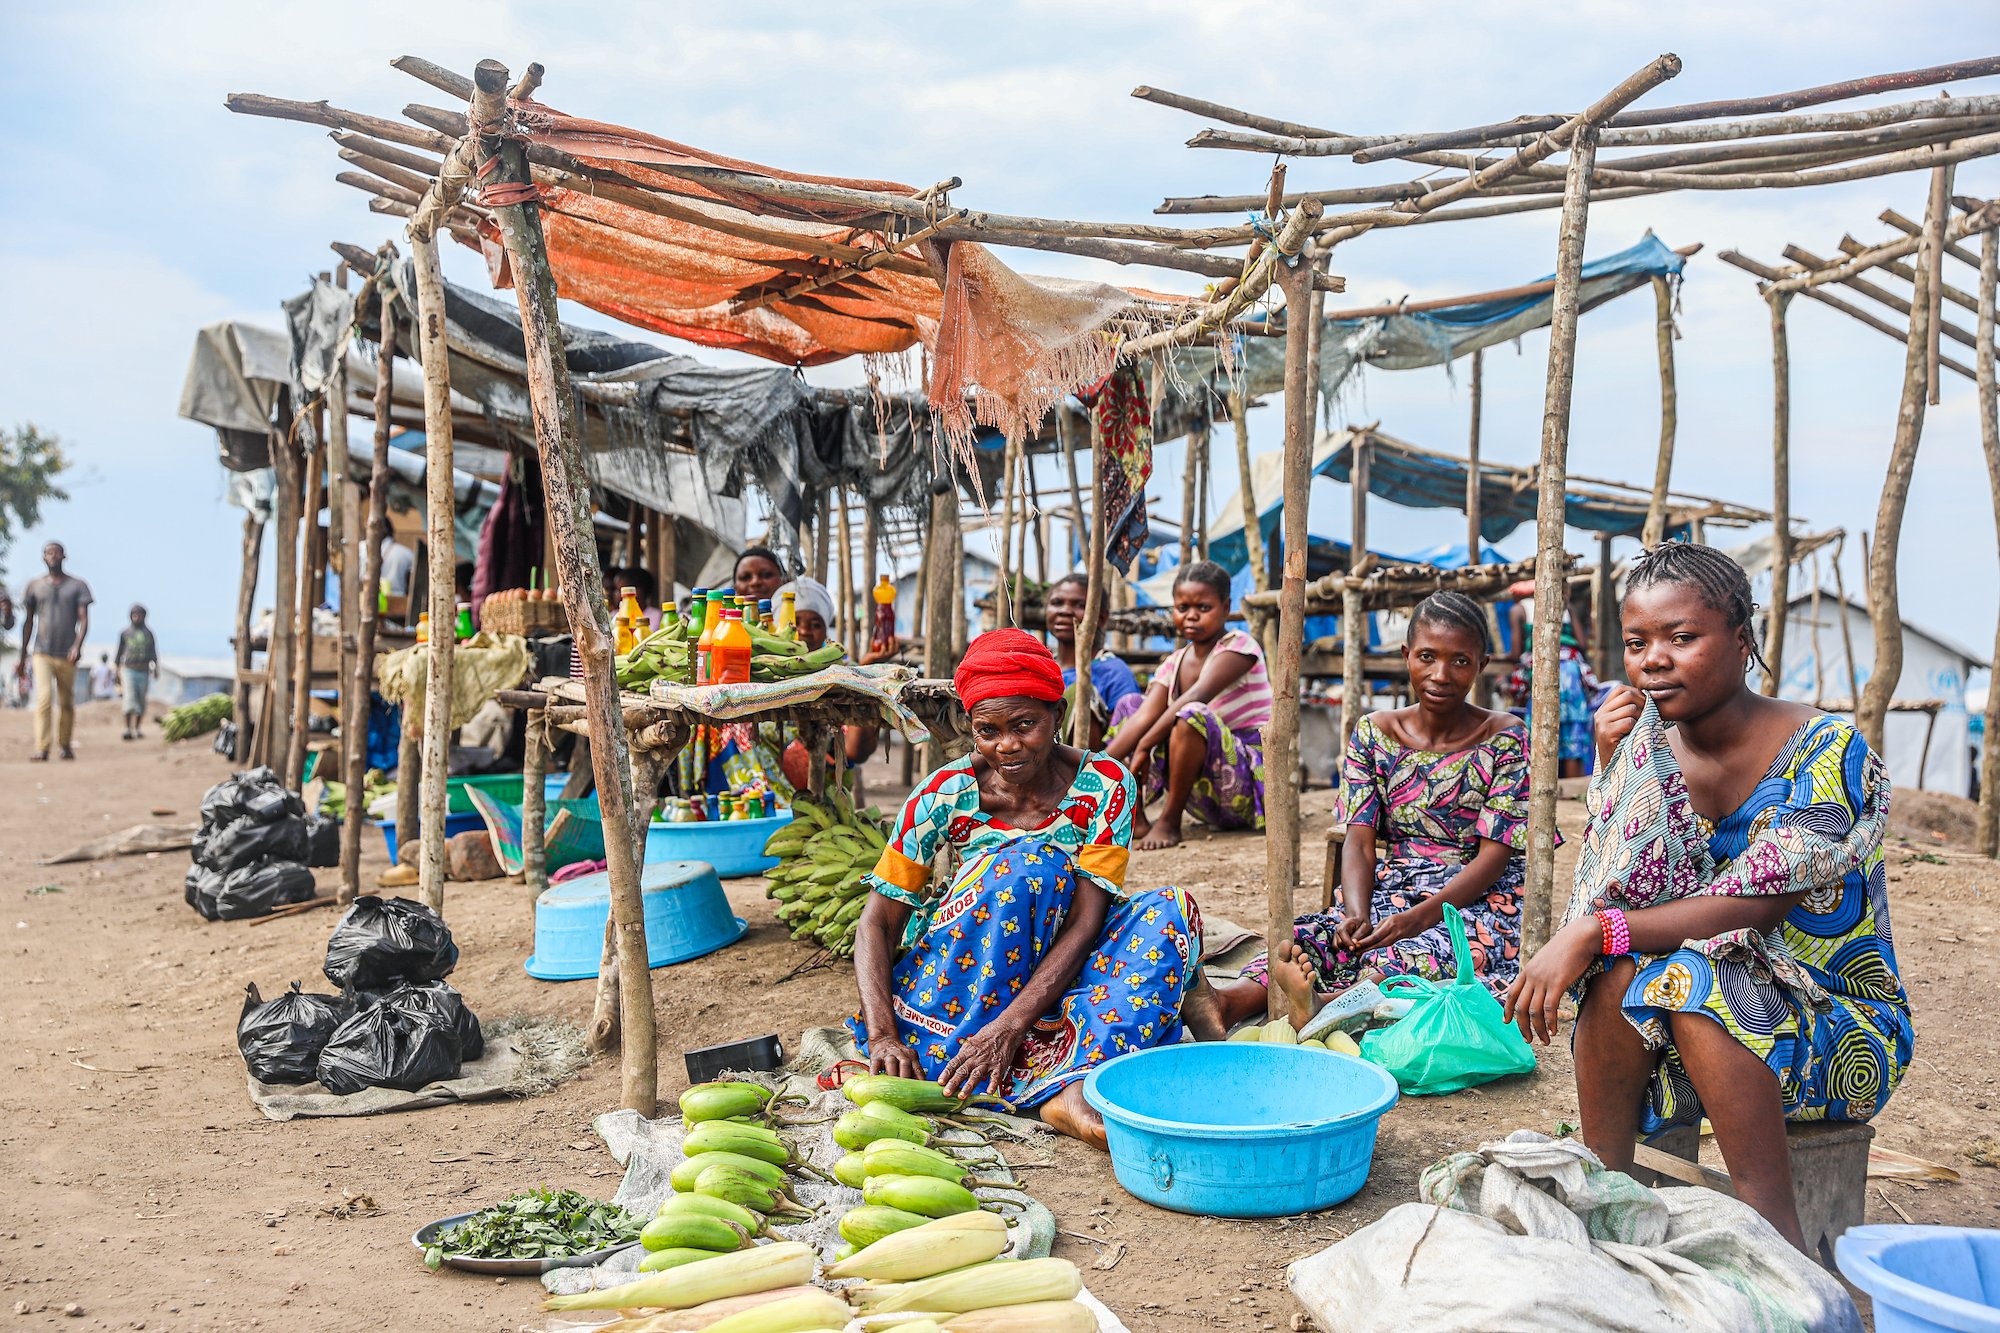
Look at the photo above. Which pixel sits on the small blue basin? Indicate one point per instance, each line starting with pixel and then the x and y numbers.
pixel 735 847
pixel 454 824
pixel 1240 1129
pixel 1925 1278
pixel 686 916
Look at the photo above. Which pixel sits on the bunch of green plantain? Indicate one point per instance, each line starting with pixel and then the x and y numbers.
pixel 732 1185
pixel 823 855
pixel 777 657
pixel 662 655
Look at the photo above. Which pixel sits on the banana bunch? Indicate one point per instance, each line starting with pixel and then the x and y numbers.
pixel 823 854
pixel 768 664
pixel 661 654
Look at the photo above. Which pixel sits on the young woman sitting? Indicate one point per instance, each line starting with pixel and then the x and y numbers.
pixel 1740 966
pixel 1036 963
pixel 1111 681
pixel 1195 740
pixel 1442 787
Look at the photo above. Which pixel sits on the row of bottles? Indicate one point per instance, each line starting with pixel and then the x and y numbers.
pixel 461 629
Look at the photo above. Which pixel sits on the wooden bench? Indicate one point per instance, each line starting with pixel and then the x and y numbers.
pixel 1829 1173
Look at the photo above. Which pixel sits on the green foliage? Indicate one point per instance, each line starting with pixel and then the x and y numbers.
pixel 30 463
pixel 538 1224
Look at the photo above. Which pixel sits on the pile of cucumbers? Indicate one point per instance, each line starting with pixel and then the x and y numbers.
pixel 906 1176
pixel 734 1184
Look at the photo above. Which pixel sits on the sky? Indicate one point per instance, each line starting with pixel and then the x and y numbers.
pixel 142 210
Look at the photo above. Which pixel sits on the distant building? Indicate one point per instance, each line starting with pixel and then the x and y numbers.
pixel 1934 669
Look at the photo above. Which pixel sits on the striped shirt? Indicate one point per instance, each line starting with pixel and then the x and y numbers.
pixel 1243 706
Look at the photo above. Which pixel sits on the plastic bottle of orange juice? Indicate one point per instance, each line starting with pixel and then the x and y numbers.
pixel 882 628
pixel 711 617
pixel 729 651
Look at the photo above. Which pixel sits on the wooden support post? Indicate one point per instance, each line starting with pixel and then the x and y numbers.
pixel 1039 522
pixel 1253 533
pixel 1610 662
pixel 943 553
pixel 246 606
pixel 1539 902
pixel 1281 737
pixel 279 655
pixel 822 537
pixel 344 529
pixel 1846 628
pixel 1655 530
pixel 844 609
pixel 871 541
pixel 1987 833
pixel 1003 601
pixel 1353 616
pixel 1940 220
pixel 1090 633
pixel 440 507
pixel 1884 604
pixel 569 515
pixel 1202 491
pixel 668 571
pixel 1473 541
pixel 1781 492
pixel 1076 520
pixel 409 784
pixel 366 557
pixel 1026 521
pixel 1819 656
pixel 534 807
pixel 312 575
pixel 1191 486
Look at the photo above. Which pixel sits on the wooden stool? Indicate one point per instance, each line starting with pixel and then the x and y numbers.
pixel 1829 1173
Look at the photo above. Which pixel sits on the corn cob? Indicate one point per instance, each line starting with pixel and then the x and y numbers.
pixel 1279 1032
pixel 710 1206
pixel 723 1101
pixel 864 1226
pixel 1034 1317
pixel 886 1157
pixel 698 1317
pixel 814 1310
pixel 693 1231
pixel 688 1172
pixel 928 1249
pixel 659 1261
pixel 741 1188
pixel 999 1282
pixel 759 1268
pixel 920 1194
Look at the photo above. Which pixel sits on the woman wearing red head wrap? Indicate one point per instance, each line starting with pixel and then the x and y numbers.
pixel 1036 963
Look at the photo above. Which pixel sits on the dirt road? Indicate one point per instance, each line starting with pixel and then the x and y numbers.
pixel 150 1193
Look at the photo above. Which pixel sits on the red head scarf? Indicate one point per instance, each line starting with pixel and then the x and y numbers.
pixel 1006 664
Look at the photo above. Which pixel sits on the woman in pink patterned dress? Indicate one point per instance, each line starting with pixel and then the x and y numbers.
pixel 1196 737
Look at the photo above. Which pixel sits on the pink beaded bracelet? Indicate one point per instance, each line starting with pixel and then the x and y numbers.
pixel 1616 933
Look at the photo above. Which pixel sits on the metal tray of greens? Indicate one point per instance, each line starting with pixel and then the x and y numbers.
pixel 535 1231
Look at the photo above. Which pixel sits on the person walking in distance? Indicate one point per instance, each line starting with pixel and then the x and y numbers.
pixel 138 665
pixel 52 634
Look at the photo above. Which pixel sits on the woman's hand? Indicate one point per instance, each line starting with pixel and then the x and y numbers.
pixel 1401 926
pixel 1616 717
pixel 1347 936
pixel 1139 765
pixel 888 1055
pixel 1534 1002
pixel 982 1060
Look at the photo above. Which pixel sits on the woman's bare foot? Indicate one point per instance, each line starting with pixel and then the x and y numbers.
pixel 1160 833
pixel 1293 975
pixel 1068 1113
pixel 1201 1010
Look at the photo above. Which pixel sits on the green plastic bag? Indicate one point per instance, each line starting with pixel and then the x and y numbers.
pixel 1454 1038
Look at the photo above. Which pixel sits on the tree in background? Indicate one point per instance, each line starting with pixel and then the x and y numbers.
pixel 30 463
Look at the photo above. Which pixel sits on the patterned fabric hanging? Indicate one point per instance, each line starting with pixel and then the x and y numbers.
pixel 1125 449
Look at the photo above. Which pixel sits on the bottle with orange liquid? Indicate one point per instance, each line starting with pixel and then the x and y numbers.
pixel 729 651
pixel 711 617
pixel 882 628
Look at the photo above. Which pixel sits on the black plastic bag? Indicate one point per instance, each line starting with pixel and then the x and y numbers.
pixel 225 739
pixel 243 843
pixel 201 886
pixel 322 840
pixel 381 942
pixel 440 999
pixel 281 1039
pixel 254 794
pixel 389 1046
pixel 257 890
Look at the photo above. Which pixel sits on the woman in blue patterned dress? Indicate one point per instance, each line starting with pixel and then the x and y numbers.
pixel 1036 963
pixel 1730 929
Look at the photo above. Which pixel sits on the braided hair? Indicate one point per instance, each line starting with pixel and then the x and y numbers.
pixel 1720 581
pixel 1453 611
pixel 1207 574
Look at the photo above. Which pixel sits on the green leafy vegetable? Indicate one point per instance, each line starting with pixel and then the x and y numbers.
pixel 537 1224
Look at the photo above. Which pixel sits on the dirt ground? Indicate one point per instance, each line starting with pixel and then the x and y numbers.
pixel 150 1193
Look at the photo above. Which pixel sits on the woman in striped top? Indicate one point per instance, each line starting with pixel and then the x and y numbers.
pixel 1195 740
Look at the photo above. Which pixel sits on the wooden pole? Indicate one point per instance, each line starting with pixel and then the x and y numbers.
pixel 870 542
pixel 822 541
pixel 1003 601
pixel 1027 522
pixel 1940 211
pixel 311 575
pixel 1847 629
pixel 845 614
pixel 409 784
pixel 1068 443
pixel 366 557
pixel 1353 616
pixel 1781 492
pixel 1089 632
pixel 1281 737
pixel 569 515
pixel 1539 902
pixel 1655 530
pixel 1884 605
pixel 1039 522
pixel 278 658
pixel 440 505
pixel 1610 664
pixel 943 554
pixel 1474 543
pixel 1190 487
pixel 1253 533
pixel 1987 835
pixel 346 530
pixel 1202 490
pixel 246 606
pixel 534 808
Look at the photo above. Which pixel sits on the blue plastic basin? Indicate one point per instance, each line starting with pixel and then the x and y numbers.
pixel 553 784
pixel 454 824
pixel 686 916
pixel 735 847
pixel 1239 1129
pixel 1925 1278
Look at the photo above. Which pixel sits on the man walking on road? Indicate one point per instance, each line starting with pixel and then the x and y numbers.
pixel 58 619
pixel 138 663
